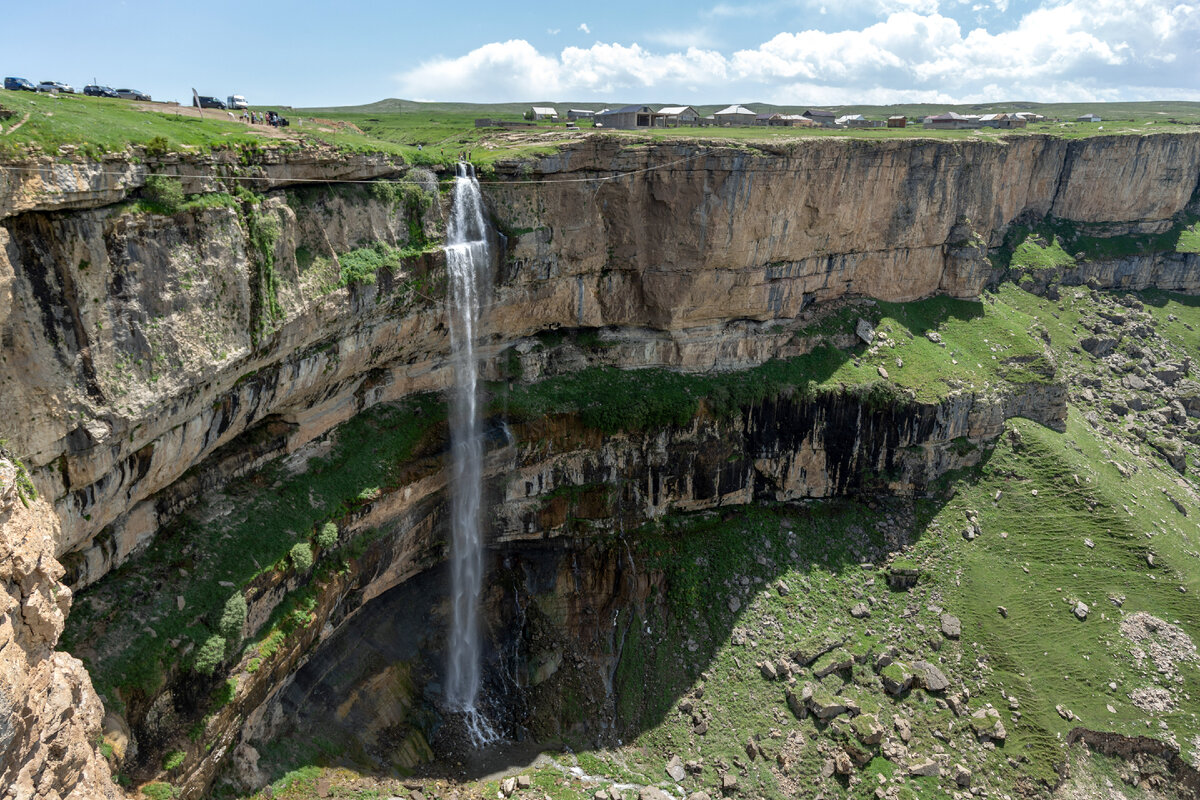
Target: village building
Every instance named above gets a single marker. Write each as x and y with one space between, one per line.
579 113
1001 121
1088 118
823 118
674 116
793 121
950 121
735 115
763 120
899 121
625 118
857 121
543 112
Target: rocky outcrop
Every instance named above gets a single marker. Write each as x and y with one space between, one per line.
50 717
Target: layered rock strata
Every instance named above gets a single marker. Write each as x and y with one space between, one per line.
155 356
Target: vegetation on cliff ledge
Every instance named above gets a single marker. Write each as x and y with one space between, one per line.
926 350
187 585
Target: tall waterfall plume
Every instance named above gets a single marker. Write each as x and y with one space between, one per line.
467 260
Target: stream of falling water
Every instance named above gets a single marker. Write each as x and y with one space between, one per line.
467 260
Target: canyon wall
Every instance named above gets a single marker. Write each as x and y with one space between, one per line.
137 344
152 358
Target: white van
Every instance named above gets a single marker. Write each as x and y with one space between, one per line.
236 101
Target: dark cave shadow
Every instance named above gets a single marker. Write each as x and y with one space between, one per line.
1159 298
336 702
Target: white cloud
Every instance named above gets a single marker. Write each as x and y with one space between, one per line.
583 26
1064 50
554 31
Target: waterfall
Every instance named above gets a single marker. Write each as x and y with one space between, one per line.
467 261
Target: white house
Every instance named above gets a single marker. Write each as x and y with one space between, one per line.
1088 118
544 112
671 116
735 115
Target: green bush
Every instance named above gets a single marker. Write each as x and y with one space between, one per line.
164 195
173 760
302 556
361 265
160 791
328 535
158 146
210 654
233 617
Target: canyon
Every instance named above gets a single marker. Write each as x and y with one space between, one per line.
197 393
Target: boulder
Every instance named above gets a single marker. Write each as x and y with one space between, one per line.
929 677
834 661
797 705
897 677
865 331
987 725
826 706
924 769
675 769
951 626
867 729
860 611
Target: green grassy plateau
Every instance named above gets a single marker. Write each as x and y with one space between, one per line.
437 133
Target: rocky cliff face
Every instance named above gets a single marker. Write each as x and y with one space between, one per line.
141 343
50 717
155 357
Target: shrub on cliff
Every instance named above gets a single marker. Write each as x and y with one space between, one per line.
302 556
163 195
233 617
328 535
210 654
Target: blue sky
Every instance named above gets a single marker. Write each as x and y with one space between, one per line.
794 52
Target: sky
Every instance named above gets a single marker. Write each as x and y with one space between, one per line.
788 52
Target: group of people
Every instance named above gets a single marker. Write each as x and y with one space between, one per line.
265 118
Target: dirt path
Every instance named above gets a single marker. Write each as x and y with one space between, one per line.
212 114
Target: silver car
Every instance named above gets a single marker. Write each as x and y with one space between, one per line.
55 86
132 94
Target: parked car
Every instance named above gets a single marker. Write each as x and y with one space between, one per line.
132 94
92 90
55 86
236 101
19 85
209 102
